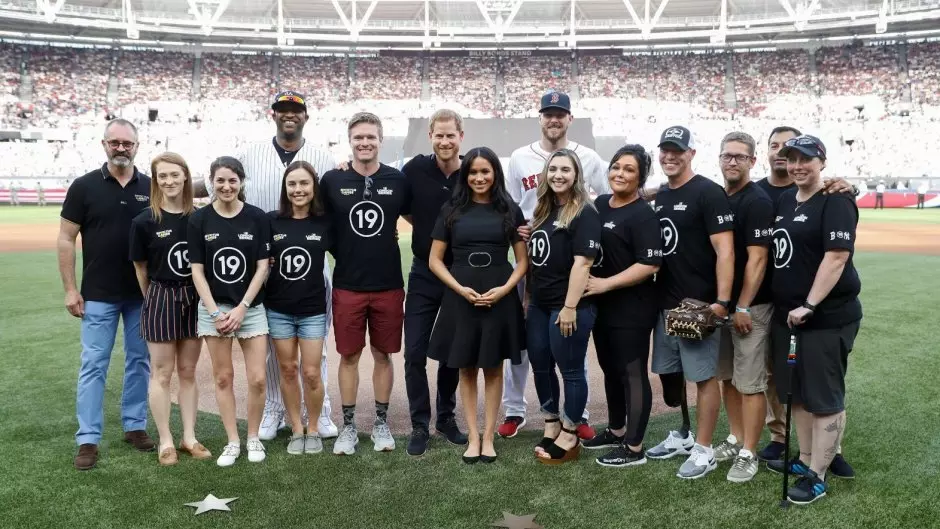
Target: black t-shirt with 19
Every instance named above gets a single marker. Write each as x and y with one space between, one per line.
629 235
688 217
295 284
229 249
163 245
364 224
802 236
753 220
552 252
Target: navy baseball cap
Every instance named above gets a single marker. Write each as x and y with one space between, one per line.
289 96
553 99
681 137
809 145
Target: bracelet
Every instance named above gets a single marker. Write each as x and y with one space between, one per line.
810 306
746 310
215 314
572 308
723 303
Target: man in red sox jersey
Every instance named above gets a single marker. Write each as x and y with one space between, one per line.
522 174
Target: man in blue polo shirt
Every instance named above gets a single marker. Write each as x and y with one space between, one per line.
100 205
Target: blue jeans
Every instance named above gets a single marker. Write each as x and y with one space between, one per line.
99 327
548 348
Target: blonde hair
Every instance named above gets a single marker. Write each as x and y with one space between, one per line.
156 194
578 200
445 114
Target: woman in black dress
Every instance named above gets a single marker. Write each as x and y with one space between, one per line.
480 323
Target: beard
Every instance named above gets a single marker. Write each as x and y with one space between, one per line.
120 160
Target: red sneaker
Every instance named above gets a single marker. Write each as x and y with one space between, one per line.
510 426
585 432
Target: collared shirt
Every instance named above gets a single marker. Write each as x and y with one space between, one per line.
103 210
430 190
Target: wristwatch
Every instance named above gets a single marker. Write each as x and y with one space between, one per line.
810 306
725 304
246 304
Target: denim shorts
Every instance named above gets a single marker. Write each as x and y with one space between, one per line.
254 324
285 326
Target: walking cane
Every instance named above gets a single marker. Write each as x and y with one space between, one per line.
791 363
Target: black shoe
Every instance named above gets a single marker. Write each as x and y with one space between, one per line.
418 444
771 452
452 433
621 456
605 439
487 459
841 468
807 489
797 468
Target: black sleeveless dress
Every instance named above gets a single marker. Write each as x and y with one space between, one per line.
465 336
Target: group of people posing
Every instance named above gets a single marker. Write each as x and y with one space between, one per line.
510 270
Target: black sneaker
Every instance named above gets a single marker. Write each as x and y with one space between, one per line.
807 489
418 444
621 456
605 439
771 452
452 433
841 468
797 468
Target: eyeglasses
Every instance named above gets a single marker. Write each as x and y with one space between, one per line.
114 144
367 192
738 158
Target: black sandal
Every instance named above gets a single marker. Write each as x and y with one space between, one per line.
558 455
546 441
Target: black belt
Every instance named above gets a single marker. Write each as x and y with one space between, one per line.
481 258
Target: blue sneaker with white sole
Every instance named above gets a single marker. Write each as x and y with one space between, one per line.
807 489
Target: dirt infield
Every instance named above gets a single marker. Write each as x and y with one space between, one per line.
883 237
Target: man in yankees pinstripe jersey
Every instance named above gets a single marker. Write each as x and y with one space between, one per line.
264 164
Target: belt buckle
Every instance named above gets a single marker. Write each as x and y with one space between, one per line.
489 259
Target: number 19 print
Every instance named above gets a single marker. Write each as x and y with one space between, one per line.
229 265
366 218
294 263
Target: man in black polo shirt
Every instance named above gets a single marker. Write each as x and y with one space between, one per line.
101 205
432 179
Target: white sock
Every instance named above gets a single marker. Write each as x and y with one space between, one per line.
708 450
745 453
732 439
256 438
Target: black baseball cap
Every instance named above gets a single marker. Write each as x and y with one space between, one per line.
289 96
558 100
681 137
809 145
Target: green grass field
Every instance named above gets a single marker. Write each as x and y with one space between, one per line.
891 440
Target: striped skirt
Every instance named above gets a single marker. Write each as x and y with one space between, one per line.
169 312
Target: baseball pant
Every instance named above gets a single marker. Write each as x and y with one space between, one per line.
273 401
99 328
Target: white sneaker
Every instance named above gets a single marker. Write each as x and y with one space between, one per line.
229 454
313 444
382 437
255 451
700 462
346 442
673 445
271 422
326 428
296 445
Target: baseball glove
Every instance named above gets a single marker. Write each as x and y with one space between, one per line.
692 319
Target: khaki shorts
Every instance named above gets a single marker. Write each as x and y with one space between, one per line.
742 359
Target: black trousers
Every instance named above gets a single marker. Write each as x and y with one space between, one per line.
422 302
920 201
879 200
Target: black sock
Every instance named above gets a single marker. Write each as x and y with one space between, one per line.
381 412
349 415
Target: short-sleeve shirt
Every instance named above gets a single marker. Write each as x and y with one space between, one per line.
802 235
479 227
753 225
103 210
295 284
688 216
163 245
551 255
364 224
229 250
629 235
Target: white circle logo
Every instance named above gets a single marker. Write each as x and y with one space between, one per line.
670 235
229 265
178 259
366 218
539 248
295 263
783 248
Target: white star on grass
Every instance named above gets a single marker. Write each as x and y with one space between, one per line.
211 503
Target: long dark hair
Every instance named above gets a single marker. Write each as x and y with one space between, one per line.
232 164
644 162
462 197
286 209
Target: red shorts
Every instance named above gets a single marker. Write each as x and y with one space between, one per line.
384 311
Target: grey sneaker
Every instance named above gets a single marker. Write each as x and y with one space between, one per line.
382 437
296 444
726 451
313 444
743 469
347 441
698 464
672 446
